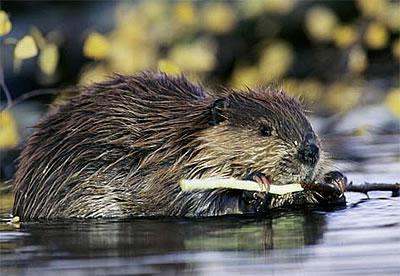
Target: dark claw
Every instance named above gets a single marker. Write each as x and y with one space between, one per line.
253 175
254 202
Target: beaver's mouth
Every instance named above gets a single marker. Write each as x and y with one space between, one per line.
266 180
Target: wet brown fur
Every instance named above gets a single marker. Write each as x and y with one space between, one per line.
120 147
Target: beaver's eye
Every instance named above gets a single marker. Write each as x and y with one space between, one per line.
265 130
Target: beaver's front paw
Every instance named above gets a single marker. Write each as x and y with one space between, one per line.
337 181
332 187
256 202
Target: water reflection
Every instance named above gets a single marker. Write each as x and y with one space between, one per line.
159 237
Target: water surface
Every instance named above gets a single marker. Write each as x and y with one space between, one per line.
361 239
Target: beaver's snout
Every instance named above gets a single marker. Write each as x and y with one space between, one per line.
309 154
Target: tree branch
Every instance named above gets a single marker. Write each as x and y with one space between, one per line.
368 187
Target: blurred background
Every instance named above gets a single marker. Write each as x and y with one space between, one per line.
341 57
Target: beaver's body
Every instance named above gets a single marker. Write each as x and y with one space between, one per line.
120 148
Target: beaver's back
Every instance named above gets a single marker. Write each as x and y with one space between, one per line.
83 159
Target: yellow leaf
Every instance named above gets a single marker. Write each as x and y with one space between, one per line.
196 57
8 131
320 23
392 18
396 49
376 35
279 6
93 74
275 60
344 36
357 60
393 101
48 59
337 92
185 13
291 86
373 8
129 33
246 76
310 90
5 24
96 46
38 37
384 11
168 67
25 48
251 8
130 58
152 10
219 17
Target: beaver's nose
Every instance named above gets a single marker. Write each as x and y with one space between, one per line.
309 154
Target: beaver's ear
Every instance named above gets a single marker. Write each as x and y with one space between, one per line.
217 110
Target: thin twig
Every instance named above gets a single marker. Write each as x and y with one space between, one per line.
30 94
368 187
329 189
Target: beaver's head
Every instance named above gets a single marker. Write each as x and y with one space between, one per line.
265 132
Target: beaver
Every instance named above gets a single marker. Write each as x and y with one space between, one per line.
119 149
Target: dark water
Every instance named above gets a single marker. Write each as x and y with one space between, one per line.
361 239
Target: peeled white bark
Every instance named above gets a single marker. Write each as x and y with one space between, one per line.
188 185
